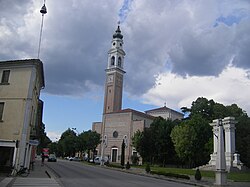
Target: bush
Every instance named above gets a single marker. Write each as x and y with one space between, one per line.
173 175
147 169
128 165
135 159
197 175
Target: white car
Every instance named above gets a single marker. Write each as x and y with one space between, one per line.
74 159
97 160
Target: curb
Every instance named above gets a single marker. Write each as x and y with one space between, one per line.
156 176
51 173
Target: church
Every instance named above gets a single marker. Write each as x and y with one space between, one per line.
119 124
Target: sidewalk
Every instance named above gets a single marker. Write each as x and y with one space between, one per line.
40 176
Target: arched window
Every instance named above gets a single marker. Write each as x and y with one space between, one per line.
120 61
112 61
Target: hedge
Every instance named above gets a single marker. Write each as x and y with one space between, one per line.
173 175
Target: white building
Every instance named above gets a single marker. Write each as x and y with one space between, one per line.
166 113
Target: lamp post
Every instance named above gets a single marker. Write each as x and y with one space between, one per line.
43 11
104 145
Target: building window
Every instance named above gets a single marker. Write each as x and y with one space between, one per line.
115 134
5 77
1 111
112 61
120 61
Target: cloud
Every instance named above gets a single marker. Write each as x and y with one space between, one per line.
180 36
231 86
54 136
124 10
159 36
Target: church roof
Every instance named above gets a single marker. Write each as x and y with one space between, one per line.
162 109
127 110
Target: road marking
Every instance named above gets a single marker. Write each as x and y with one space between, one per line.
5 181
36 182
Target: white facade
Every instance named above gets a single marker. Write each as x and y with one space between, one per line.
166 113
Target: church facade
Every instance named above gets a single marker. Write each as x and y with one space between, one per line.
119 124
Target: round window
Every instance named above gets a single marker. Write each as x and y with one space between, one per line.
115 134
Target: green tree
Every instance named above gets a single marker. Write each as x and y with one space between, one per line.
143 143
92 139
81 143
154 144
183 137
123 153
43 139
137 141
53 147
210 110
68 142
243 139
162 143
190 139
201 106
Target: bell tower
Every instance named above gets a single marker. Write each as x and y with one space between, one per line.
114 74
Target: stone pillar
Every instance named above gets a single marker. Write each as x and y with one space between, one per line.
236 161
215 140
220 173
229 127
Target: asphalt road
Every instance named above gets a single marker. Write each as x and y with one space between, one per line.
76 174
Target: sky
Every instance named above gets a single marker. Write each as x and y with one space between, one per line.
176 51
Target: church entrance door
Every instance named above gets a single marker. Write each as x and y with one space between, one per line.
114 154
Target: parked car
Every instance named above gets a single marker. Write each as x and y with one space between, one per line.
67 158
52 158
97 160
74 159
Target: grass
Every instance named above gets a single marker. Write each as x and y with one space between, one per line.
239 177
235 176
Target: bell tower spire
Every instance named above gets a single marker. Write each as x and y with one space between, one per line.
114 74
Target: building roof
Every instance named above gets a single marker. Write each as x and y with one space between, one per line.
163 109
128 110
36 62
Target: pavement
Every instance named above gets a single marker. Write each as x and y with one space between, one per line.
43 176
40 176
